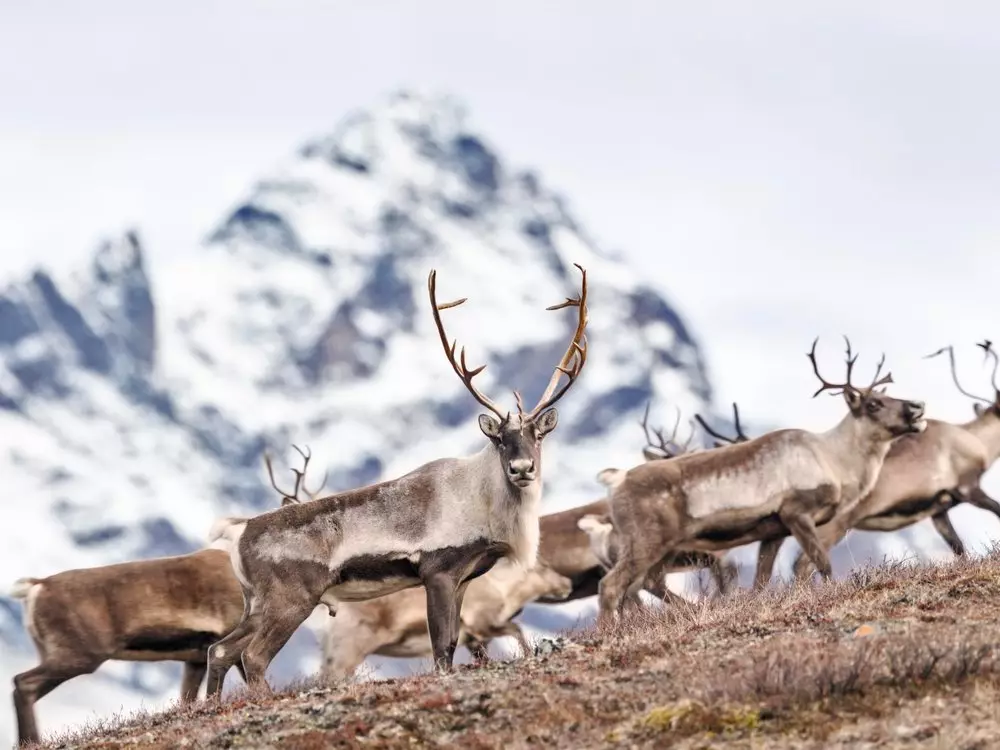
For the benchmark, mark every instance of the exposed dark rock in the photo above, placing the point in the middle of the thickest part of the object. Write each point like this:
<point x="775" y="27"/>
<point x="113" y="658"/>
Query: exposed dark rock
<point x="480" y="166"/>
<point x="16" y="320"/>
<point x="261" y="226"/>
<point x="92" y="350"/>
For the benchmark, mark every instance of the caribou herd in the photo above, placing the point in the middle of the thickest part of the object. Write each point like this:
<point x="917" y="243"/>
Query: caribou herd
<point x="450" y="553"/>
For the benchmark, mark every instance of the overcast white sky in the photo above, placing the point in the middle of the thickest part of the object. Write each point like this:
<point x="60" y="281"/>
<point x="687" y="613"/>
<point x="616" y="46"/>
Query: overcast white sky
<point x="784" y="169"/>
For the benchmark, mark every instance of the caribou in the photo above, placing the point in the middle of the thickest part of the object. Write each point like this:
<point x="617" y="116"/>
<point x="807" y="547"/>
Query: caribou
<point x="439" y="526"/>
<point x="603" y="538"/>
<point x="567" y="547"/>
<point x="161" y="609"/>
<point x="396" y="624"/>
<point x="781" y="483"/>
<point x="927" y="475"/>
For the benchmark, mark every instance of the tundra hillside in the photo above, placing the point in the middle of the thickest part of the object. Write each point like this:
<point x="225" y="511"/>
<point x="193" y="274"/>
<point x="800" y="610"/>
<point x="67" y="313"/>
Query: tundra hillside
<point x="894" y="656"/>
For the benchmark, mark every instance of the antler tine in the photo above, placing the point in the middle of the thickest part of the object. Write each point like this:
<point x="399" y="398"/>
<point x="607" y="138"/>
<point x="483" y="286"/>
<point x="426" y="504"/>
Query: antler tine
<point x="827" y="385"/>
<point x="645" y="424"/>
<point x="669" y="447"/>
<point x="677" y="424"/>
<point x="660" y="443"/>
<point x="576" y="355"/>
<point x="850" y="360"/>
<point x="988" y="351"/>
<point x="741" y="436"/>
<point x="687" y="443"/>
<point x="720" y="438"/>
<point x="520" y="405"/>
<point x="460" y="367"/>
<point x="311" y="494"/>
<point x="886" y="379"/>
<point x="954" y="371"/>
<point x="301" y="475"/>
<point x="274" y="483"/>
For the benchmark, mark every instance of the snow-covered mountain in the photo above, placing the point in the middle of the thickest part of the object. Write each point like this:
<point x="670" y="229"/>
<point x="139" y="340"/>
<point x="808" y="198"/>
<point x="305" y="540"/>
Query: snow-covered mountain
<point x="135" y="406"/>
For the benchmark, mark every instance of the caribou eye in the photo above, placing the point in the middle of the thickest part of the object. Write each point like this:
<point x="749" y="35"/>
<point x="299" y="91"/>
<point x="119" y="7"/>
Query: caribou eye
<point x="874" y="406"/>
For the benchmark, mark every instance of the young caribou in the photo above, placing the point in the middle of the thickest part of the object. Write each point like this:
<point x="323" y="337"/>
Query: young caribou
<point x="604" y="539"/>
<point x="439" y="526"/>
<point x="927" y="475"/>
<point x="780" y="483"/>
<point x="568" y="547"/>
<point x="162" y="609"/>
<point x="396" y="624"/>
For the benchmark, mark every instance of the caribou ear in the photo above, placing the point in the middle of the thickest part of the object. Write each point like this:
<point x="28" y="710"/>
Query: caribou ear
<point x="979" y="409"/>
<point x="853" y="399"/>
<point x="286" y="500"/>
<point x="546" y="421"/>
<point x="610" y="477"/>
<point x="490" y="426"/>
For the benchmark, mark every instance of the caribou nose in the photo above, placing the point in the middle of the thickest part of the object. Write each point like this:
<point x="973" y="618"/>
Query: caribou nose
<point x="522" y="467"/>
<point x="914" y="409"/>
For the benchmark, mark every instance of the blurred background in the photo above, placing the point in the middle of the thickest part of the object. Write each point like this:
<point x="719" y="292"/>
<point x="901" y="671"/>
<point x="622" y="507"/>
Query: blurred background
<point x="218" y="218"/>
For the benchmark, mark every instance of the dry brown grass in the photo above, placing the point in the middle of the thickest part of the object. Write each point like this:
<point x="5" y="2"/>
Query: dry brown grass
<point x="786" y="668"/>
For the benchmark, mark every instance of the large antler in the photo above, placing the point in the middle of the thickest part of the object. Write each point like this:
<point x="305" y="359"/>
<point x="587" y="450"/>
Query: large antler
<point x="458" y="365"/>
<point x="987" y="347"/>
<point x="663" y="448"/>
<point x="847" y="385"/>
<point x="299" y="477"/>
<point x="721" y="439"/>
<point x="574" y="358"/>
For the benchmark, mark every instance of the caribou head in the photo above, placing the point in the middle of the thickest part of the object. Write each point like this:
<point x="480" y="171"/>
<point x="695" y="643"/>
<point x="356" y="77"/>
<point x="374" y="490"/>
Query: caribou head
<point x="877" y="411"/>
<point x="518" y="437"/>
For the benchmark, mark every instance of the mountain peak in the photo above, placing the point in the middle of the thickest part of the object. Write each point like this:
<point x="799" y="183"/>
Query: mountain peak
<point x="137" y="410"/>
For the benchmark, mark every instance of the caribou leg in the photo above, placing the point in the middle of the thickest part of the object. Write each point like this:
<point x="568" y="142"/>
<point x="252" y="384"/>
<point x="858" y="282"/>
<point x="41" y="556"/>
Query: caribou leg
<point x="943" y="525"/>
<point x="829" y="534"/>
<point x="766" y="556"/>
<point x="980" y="499"/>
<point x="36" y="683"/>
<point x="269" y="639"/>
<point x="444" y="609"/>
<point x="724" y="574"/>
<point x="194" y="673"/>
<point x="627" y="576"/>
<point x="804" y="530"/>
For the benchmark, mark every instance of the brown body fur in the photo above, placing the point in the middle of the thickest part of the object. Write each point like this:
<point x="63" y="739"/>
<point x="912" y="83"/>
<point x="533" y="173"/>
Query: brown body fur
<point x="567" y="549"/>
<point x="165" y="609"/>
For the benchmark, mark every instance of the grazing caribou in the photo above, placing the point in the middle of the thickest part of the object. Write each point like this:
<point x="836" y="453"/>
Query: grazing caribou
<point x="161" y="609"/>
<point x="439" y="526"/>
<point x="396" y="624"/>
<point x="926" y="475"/>
<point x="780" y="483"/>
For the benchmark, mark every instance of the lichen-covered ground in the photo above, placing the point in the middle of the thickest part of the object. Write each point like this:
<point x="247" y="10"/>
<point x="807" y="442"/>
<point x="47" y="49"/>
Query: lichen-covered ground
<point x="898" y="656"/>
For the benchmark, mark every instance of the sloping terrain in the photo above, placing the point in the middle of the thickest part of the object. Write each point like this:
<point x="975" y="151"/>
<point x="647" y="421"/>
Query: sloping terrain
<point x="891" y="657"/>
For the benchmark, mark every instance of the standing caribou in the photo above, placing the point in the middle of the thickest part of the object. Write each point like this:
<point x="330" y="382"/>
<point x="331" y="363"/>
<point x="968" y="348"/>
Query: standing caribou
<point x="927" y="475"/>
<point x="780" y="483"/>
<point x="161" y="609"/>
<point x="439" y="526"/>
